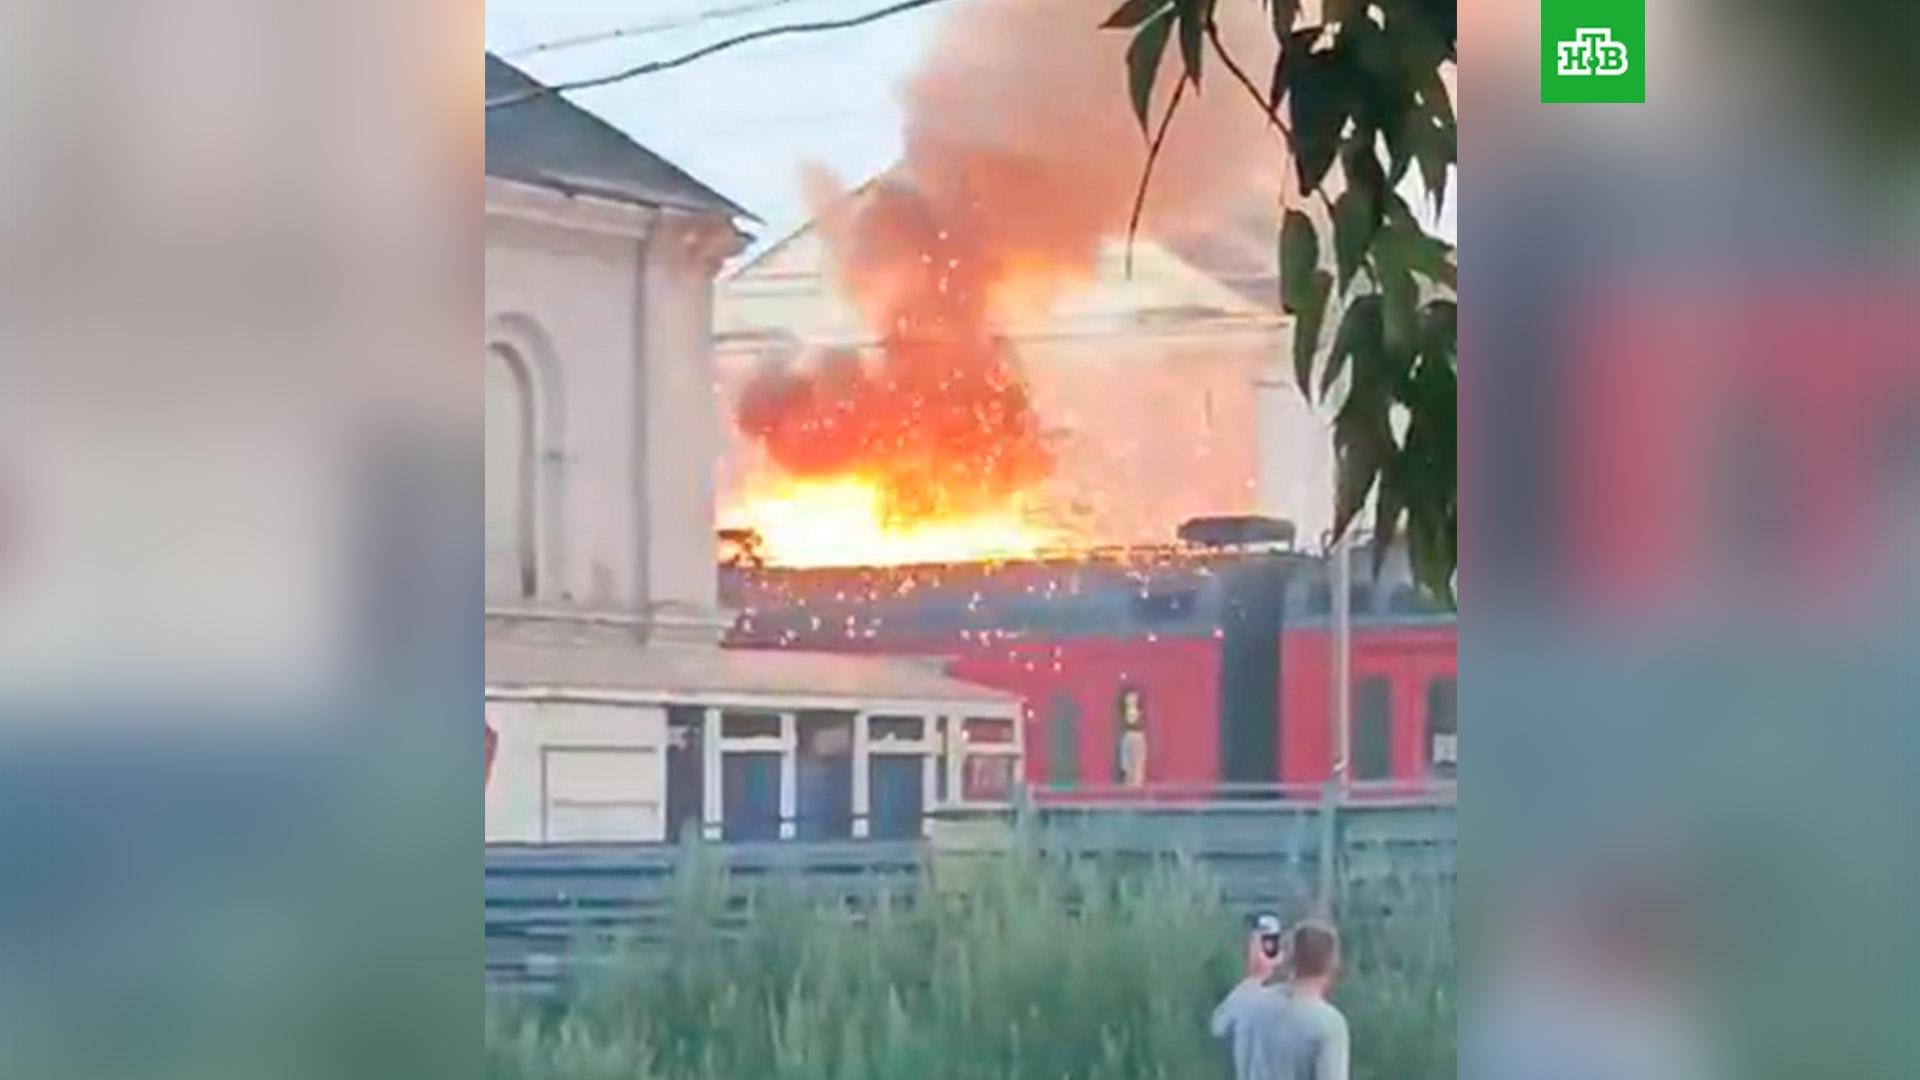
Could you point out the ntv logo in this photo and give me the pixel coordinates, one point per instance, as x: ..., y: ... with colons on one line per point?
x: 1592, y: 52
x: 1580, y: 39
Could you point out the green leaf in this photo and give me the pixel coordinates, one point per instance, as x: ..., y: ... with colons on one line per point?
x: 1432, y: 258
x: 1193, y: 16
x: 1319, y: 100
x: 1432, y: 543
x: 1360, y: 164
x: 1362, y: 445
x: 1444, y: 17
x: 1435, y: 148
x: 1143, y: 63
x: 1440, y: 331
x: 1299, y: 255
x: 1417, y: 39
x: 1134, y: 12
x: 1277, y: 83
x: 1306, y: 330
x: 1354, y: 223
x: 1428, y: 465
x: 1343, y: 11
x: 1360, y: 341
x: 1394, y: 254
x: 1284, y: 13
x: 1304, y: 291
x: 1399, y: 311
x: 1388, y: 508
x: 1356, y: 214
x: 1400, y: 144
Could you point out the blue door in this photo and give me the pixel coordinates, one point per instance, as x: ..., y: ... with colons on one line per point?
x: 750, y: 786
x: 896, y: 797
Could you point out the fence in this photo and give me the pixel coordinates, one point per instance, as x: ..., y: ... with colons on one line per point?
x: 549, y: 907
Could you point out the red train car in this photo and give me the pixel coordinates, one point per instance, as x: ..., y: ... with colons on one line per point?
x: 1170, y: 667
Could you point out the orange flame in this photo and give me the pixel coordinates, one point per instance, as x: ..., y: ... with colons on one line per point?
x: 844, y: 521
x: 1020, y: 163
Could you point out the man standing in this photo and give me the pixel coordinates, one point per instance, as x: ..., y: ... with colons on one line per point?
x: 1289, y: 1032
x: 1132, y: 763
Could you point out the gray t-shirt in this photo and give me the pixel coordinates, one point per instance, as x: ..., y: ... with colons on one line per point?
x: 1277, y: 1035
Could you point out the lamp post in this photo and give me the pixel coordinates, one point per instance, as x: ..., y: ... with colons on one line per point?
x: 1338, y: 715
x: 1342, y: 666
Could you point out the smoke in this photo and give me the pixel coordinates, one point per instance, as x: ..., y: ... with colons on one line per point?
x: 1023, y: 159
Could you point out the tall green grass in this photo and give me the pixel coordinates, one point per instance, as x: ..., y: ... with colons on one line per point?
x: 1015, y: 967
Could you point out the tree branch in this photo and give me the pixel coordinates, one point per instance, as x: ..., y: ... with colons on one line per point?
x: 682, y: 60
x: 1270, y: 108
x: 1146, y: 174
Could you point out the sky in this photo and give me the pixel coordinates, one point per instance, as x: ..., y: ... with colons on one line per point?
x: 743, y: 121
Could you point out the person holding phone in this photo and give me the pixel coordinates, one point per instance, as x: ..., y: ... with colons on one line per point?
x: 1289, y: 1031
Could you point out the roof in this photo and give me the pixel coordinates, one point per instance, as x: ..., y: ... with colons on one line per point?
x: 548, y: 141
x: 802, y: 678
x: 1238, y: 251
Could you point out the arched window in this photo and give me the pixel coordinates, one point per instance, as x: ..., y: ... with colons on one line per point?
x: 511, y: 564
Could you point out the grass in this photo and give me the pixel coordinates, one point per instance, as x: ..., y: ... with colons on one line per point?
x: 1015, y: 968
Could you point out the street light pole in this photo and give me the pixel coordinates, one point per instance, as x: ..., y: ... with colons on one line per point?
x: 1341, y: 646
x: 1342, y: 711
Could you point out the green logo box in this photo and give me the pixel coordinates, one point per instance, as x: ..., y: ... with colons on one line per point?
x: 1593, y: 51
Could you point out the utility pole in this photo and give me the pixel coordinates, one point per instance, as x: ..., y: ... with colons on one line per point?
x: 1338, y: 714
x: 1342, y: 711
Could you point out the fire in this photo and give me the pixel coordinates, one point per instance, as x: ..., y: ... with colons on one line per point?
x: 922, y: 442
x: 845, y: 522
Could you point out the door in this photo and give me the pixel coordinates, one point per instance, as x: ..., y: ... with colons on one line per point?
x: 750, y: 789
x: 823, y: 774
x: 897, y: 796
x: 686, y: 771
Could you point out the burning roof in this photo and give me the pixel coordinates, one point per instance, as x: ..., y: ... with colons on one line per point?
x: 921, y: 437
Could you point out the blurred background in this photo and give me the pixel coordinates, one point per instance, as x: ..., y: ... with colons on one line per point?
x: 239, y: 495
x: 1691, y: 406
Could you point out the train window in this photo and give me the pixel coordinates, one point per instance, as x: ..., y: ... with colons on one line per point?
x: 1165, y: 606
x: 1360, y: 598
x: 1320, y: 598
x: 1373, y: 730
x: 1443, y: 726
x: 1063, y: 740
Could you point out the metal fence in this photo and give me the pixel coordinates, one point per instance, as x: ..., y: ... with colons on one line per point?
x: 551, y: 905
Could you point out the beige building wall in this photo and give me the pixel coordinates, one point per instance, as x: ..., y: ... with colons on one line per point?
x: 606, y: 312
x: 577, y: 771
x: 600, y: 502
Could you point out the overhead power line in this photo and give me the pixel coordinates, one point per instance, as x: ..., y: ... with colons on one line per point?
x: 684, y: 59
x: 658, y: 26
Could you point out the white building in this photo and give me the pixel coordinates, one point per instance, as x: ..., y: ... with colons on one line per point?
x: 613, y: 712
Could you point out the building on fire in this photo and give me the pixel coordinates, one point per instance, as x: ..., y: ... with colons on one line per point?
x: 1163, y: 378
x: 612, y: 712
x: 1186, y: 641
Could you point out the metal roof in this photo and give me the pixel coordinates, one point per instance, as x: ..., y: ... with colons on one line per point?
x: 688, y: 673
x: 548, y: 141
